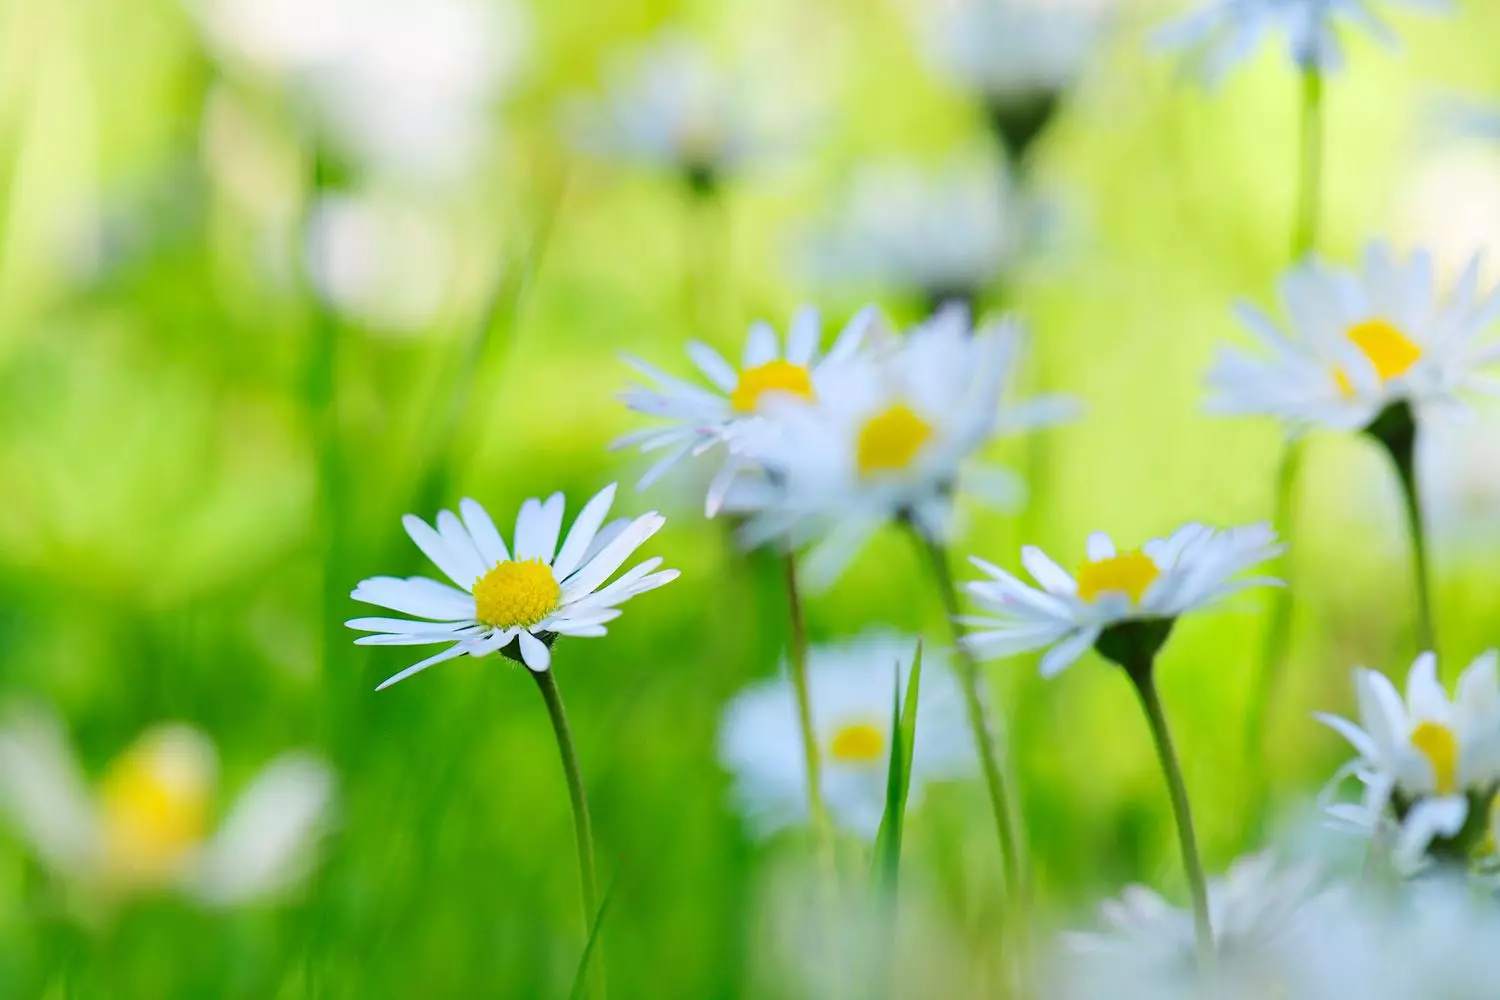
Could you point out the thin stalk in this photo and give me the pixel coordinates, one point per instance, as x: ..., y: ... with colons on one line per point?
x: 582, y: 829
x: 1143, y: 676
x: 1412, y: 502
x: 1310, y: 169
x: 797, y: 655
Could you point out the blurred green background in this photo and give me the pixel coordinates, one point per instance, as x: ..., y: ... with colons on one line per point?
x: 198, y: 461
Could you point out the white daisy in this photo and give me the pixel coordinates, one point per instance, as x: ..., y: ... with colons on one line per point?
x: 1359, y: 342
x: 698, y: 418
x: 850, y: 688
x: 1193, y: 568
x: 1221, y: 34
x: 148, y: 824
x: 529, y: 594
x: 1425, y: 761
x: 1148, y: 947
x: 891, y: 434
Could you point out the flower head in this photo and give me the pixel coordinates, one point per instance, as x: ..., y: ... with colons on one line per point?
x: 1359, y: 342
x: 1221, y: 34
x: 529, y: 593
x: 850, y: 688
x: 1193, y: 568
x: 148, y: 823
x: 1429, y: 763
x: 891, y: 434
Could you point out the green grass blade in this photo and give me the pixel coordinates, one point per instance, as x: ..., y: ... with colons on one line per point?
x: 582, y: 975
x: 898, y: 775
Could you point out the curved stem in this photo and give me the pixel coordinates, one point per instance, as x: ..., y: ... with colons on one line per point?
x: 582, y: 829
x: 797, y: 655
x: 1142, y: 675
x: 1412, y: 501
x: 1310, y: 170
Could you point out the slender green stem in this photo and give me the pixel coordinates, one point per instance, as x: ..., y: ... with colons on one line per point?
x: 583, y: 831
x: 1143, y: 676
x: 797, y: 654
x: 1412, y: 501
x: 1310, y: 172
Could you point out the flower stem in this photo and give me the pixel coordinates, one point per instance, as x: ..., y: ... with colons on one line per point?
x: 582, y: 828
x: 1396, y: 431
x: 1143, y: 676
x: 817, y: 810
x: 1310, y: 169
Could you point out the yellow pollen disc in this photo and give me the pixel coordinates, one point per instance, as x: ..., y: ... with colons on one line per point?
x: 1439, y: 745
x: 1390, y: 351
x: 1128, y: 573
x: 889, y: 441
x: 516, y: 594
x: 773, y: 376
x: 154, y: 803
x: 857, y: 743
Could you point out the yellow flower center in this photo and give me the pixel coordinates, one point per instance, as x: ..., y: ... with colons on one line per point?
x: 516, y: 593
x: 1439, y: 745
x: 154, y: 802
x: 1390, y: 351
x: 773, y: 376
x: 889, y: 441
x: 857, y: 743
x: 1128, y: 573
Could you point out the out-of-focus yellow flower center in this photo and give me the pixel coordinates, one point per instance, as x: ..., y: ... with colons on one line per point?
x: 889, y: 441
x: 518, y: 593
x: 1390, y: 351
x: 1439, y: 745
x: 1127, y: 573
x: 154, y: 802
x: 857, y: 743
x: 773, y: 376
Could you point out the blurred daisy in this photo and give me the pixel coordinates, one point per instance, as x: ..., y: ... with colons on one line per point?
x: 1430, y: 763
x: 698, y: 418
x: 1221, y: 34
x: 529, y: 594
x: 850, y: 689
x: 149, y: 823
x: 942, y: 236
x: 1195, y: 567
x: 670, y: 104
x: 1147, y: 947
x: 1019, y: 57
x: 1361, y: 341
x: 890, y: 435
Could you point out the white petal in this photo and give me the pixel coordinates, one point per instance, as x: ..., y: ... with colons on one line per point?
x: 712, y: 364
x: 44, y: 792
x: 1069, y: 650
x: 456, y: 537
x: 581, y: 534
x: 760, y: 346
x: 416, y: 596
x: 416, y: 668
x: 432, y: 545
x: 534, y: 652
x: 802, y: 338
x: 1357, y: 737
x: 1053, y: 578
x: 602, y: 566
x: 1100, y: 546
x: 482, y: 529
x: 537, y: 528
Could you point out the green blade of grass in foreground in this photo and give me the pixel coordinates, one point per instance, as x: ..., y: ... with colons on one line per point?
x: 898, y: 776
x: 582, y: 975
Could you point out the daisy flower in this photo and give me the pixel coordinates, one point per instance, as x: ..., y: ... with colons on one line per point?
x: 698, y: 418
x: 528, y: 594
x: 891, y: 434
x: 1361, y: 341
x: 1221, y: 34
x: 850, y: 689
x: 1195, y: 567
x: 148, y: 824
x: 1429, y: 762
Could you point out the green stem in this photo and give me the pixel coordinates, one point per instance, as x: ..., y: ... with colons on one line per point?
x: 1310, y: 172
x: 797, y: 654
x: 1412, y: 501
x: 582, y: 828
x: 1143, y: 676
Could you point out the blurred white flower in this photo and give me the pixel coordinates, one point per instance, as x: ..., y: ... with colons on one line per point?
x: 892, y: 433
x: 1424, y: 762
x: 1221, y: 34
x: 942, y: 235
x: 670, y: 103
x: 148, y: 825
x: 530, y: 594
x: 1360, y: 342
x: 1148, y: 949
x: 407, y: 86
x: 850, y: 687
x: 1195, y: 567
x: 696, y: 418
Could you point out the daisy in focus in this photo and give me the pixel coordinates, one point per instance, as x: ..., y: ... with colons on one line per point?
x: 1360, y: 341
x: 1197, y: 566
x: 697, y: 418
x: 148, y: 824
x: 1429, y: 764
x: 850, y: 689
x: 1219, y: 35
x: 527, y: 594
x: 891, y: 435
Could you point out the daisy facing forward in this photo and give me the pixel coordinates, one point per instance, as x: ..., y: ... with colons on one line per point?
x: 1430, y: 764
x: 528, y: 595
x: 850, y: 685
